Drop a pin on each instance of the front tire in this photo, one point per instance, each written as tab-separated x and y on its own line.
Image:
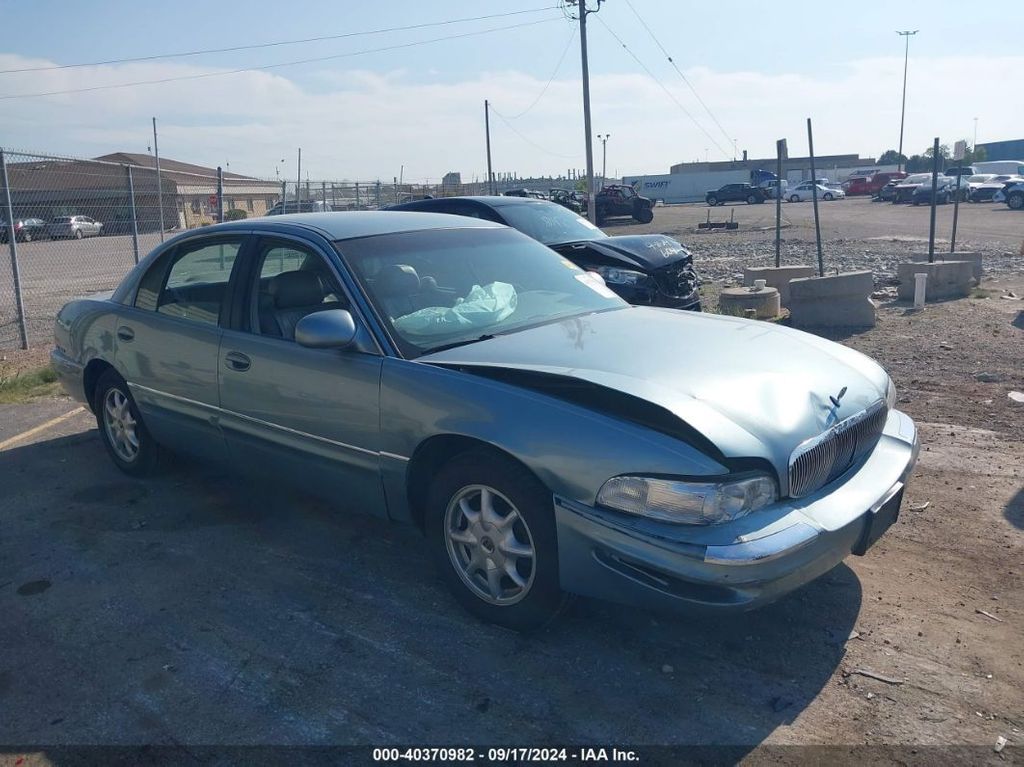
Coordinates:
124	435
645	216
492	531
1015	201
828	197
795	198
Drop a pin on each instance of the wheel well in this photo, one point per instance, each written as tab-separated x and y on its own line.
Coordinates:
428	459
91	377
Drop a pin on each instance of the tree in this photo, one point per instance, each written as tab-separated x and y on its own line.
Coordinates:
944	153
235	214
891	157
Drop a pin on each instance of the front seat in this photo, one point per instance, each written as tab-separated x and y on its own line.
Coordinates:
293	295
396	287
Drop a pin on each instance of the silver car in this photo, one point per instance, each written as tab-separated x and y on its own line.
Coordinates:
457	375
73	226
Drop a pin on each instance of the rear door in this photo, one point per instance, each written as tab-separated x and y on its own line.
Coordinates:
167	343
309	415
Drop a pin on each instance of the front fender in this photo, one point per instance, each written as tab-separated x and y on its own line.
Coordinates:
571	449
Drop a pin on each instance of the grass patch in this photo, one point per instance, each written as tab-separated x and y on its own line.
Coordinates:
981	293
30	385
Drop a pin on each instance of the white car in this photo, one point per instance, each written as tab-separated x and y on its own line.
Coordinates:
805	191
73	226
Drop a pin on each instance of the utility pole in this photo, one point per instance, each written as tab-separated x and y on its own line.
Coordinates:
581	8
604	156
298	183
159	182
487	130
906	35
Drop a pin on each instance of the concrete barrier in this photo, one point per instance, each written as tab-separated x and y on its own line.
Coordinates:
777	278
946	279
762	303
836	301
974	258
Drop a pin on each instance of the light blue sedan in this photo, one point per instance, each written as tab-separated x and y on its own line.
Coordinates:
457	375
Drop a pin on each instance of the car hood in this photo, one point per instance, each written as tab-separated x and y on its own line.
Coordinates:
752	389
648	251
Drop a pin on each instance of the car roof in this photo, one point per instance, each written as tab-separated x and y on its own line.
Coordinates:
348	225
494	201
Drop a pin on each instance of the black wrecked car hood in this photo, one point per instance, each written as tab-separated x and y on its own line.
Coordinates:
648	251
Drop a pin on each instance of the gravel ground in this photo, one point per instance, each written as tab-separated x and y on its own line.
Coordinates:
198	608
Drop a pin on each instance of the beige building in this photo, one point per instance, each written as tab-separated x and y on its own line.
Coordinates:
196	188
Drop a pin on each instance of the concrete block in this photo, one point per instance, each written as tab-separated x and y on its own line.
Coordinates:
836	301
974	258
777	278
946	279
763	303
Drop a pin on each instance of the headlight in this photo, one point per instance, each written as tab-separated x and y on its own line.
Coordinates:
890	395
621	276
688	503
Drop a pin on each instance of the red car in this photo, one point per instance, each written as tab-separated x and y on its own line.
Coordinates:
870	185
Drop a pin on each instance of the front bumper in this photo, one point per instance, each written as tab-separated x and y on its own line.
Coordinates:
741	565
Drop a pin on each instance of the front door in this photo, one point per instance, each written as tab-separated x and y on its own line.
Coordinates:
311	416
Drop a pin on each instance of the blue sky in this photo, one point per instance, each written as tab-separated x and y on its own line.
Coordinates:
762	69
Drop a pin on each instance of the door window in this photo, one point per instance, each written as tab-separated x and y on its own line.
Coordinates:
293	282
196	283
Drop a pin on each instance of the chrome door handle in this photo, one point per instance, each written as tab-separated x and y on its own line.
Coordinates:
237	361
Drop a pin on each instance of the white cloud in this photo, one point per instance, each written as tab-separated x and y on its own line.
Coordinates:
362	124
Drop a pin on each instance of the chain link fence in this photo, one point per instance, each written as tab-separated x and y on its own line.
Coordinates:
71	226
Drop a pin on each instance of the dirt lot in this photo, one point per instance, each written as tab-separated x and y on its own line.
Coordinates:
196	609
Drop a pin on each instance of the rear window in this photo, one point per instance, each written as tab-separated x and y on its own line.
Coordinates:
62	220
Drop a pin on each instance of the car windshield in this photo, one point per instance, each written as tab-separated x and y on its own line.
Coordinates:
550	223
62	220
440	288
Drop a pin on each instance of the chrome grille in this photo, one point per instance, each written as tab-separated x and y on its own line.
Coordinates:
821	459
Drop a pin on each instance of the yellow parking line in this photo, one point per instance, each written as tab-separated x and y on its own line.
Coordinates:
41	427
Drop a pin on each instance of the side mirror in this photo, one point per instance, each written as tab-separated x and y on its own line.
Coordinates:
329	329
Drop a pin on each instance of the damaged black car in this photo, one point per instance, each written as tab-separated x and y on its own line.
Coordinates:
644	269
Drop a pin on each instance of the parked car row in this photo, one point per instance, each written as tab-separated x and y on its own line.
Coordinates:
955	183
61	227
755	195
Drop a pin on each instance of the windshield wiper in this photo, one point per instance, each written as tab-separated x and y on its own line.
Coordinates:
463	342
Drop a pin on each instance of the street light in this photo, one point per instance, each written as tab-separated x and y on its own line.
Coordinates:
604	156
903	110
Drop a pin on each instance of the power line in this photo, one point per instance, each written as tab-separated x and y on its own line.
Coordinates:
554	72
275	66
664	88
532	143
679	71
255	46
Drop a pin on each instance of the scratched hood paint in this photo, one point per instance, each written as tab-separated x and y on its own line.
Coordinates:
754	389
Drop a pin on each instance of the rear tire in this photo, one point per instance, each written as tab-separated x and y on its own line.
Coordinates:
125	436
1015	201
795	198
491	528
78	234
712	201
751	199
645	216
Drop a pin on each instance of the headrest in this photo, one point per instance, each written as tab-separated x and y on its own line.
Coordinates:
397	280
291	289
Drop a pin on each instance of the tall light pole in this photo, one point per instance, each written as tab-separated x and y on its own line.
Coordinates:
604	156
581	9
974	146
906	35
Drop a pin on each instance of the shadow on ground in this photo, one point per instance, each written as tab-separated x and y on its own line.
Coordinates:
1014	511
196	608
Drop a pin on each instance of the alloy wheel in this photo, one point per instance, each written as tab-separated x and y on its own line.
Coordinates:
120	425
490	545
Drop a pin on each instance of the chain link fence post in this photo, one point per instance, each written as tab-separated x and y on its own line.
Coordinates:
220	195
12	241
132	213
